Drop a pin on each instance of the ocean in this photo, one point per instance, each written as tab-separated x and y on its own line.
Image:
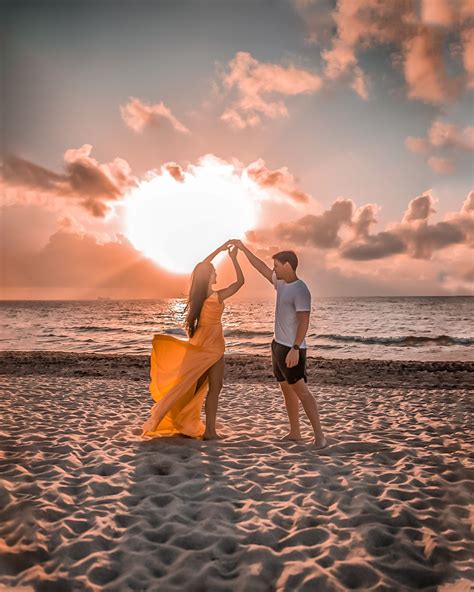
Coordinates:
409	328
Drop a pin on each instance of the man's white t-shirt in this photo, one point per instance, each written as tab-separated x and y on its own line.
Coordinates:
291	298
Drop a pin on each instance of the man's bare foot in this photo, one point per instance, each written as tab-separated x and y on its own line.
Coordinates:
212	436
291	438
320	443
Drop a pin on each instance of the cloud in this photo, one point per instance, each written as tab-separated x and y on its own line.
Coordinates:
415	237
280	179
417	145
378	246
175	171
365	218
442	134
446	13
72	261
424	68
320	231
317	16
258	87
442	166
419	35
468	55
440	12
419	208
94	185
442	137
139	115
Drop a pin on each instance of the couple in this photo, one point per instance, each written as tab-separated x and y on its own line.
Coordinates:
185	373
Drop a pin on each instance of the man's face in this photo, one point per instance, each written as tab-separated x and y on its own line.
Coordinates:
279	269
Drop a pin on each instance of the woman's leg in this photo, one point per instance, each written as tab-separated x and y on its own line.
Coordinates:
216	381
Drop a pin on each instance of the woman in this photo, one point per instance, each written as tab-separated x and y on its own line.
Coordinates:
182	372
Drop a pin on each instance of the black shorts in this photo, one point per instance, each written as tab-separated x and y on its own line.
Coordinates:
280	369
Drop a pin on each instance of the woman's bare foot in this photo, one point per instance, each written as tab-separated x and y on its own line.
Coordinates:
291	438
320	443
211	436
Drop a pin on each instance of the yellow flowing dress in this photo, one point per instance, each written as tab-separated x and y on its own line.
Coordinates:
176	367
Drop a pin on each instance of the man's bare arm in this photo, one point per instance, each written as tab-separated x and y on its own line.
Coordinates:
254	260
303	324
293	356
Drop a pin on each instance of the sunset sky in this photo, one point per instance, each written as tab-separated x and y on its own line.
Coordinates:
140	135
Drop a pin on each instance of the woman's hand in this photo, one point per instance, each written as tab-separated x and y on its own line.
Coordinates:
232	250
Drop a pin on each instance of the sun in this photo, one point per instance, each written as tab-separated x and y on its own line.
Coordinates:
178	220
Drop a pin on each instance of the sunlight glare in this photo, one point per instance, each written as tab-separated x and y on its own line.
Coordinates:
178	223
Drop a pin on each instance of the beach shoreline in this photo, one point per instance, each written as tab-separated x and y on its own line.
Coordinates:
246	368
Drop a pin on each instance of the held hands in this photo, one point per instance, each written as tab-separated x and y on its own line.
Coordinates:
237	243
292	358
232	250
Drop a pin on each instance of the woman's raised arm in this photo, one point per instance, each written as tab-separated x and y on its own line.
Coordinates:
240	280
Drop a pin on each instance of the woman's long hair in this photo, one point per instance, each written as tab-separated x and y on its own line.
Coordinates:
197	294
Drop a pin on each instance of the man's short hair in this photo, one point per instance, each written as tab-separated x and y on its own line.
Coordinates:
287	257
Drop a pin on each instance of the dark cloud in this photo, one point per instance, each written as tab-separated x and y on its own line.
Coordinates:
414	236
424	239
94	185
317	231
378	246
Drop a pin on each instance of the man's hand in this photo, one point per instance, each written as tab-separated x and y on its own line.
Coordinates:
237	243
292	358
232	250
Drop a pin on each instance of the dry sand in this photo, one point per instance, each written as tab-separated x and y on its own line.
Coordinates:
86	505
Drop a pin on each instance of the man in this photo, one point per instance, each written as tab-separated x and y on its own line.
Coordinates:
293	307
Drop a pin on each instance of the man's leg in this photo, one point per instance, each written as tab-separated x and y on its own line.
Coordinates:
216	381
292	404
310	407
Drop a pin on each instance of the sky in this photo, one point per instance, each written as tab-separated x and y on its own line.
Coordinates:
138	136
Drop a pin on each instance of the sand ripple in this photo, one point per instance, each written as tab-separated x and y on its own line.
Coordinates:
85	505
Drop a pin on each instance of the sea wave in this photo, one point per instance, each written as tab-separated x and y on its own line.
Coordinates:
247	334
95	329
405	340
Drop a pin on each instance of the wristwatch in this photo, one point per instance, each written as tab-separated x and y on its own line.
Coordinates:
297	347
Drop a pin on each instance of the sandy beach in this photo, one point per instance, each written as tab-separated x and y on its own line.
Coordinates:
86	505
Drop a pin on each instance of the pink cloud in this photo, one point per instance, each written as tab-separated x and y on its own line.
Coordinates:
138	115
417	145
258	85
72	260
446	137
442	166
419	208
468	55
317	17
94	185
175	171
424	68
280	179
419	36
439	12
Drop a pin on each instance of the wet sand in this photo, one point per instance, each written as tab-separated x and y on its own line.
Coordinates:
86	505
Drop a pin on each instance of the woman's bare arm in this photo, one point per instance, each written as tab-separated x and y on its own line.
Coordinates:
240	280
